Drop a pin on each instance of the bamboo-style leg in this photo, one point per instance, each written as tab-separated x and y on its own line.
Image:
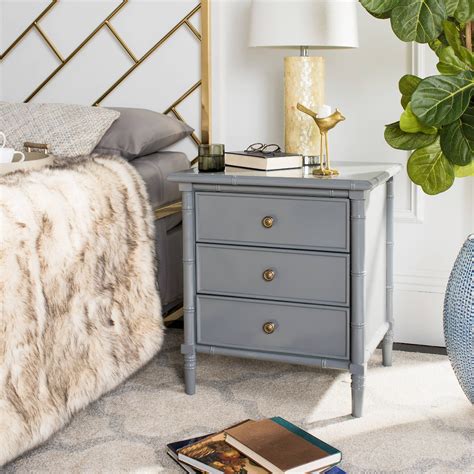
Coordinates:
387	347
357	388
188	348
358	365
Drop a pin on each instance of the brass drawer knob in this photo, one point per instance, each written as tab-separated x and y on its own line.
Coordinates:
269	328
268	275
267	222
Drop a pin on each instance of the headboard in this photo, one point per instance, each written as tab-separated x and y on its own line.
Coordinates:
136	61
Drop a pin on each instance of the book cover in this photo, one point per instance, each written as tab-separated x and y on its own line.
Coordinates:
282	447
172	451
174	447
334	470
263	161
213	454
186	467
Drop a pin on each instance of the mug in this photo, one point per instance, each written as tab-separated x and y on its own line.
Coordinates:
7	154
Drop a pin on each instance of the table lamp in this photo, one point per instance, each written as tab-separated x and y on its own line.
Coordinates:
303	24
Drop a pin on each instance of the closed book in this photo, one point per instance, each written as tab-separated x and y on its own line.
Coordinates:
282	447
214	455
263	161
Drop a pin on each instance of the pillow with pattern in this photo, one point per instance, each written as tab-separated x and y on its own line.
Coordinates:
68	129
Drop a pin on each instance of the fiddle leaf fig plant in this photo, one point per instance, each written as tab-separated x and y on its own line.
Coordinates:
437	122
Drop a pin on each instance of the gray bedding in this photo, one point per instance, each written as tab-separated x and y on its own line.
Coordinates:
154	170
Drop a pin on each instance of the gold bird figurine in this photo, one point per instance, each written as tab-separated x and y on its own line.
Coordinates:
324	124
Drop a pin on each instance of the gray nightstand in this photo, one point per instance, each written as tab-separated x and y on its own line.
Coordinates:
289	267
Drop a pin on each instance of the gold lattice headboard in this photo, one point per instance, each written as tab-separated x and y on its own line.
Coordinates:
135	61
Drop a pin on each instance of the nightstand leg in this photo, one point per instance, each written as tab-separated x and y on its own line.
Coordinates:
357	388
190	374
387	346
188	349
358	365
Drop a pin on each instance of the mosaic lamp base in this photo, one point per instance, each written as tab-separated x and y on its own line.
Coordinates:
304	83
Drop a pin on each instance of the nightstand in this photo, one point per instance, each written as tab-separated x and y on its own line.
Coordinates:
289	267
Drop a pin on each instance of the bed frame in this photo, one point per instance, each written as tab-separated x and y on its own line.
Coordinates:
204	83
204	37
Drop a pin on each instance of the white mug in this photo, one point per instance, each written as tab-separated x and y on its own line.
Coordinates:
7	155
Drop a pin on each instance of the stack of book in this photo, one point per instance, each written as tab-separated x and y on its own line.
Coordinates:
272	445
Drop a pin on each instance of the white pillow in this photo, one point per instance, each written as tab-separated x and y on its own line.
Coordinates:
68	129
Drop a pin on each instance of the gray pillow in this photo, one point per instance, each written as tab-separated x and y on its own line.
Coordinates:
139	132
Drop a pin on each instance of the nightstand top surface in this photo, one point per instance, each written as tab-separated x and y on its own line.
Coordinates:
354	176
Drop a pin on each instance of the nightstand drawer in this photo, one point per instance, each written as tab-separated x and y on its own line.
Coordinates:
287	275
276	327
279	221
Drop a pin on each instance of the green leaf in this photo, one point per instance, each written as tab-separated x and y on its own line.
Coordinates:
436	45
381	16
465	11
468	120
464	171
451	6
449	63
407	85
457	139
453	36
430	169
418	20
409	123
401	140
456	146
440	100
379	7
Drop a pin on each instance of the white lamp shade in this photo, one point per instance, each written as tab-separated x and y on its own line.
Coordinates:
321	24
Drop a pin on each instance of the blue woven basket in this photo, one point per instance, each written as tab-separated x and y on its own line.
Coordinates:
459	318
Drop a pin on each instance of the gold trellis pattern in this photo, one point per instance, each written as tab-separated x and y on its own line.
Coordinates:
203	37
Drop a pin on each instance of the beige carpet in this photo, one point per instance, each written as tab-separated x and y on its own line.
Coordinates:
417	418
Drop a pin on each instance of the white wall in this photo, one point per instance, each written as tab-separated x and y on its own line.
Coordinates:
248	107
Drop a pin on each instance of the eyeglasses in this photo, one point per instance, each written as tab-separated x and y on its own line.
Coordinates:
262	148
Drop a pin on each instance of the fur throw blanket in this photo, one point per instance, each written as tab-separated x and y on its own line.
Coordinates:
80	311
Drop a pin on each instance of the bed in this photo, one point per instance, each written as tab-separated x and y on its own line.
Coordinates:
83	303
153	167
165	199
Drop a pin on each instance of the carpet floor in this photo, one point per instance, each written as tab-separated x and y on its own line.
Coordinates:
417	418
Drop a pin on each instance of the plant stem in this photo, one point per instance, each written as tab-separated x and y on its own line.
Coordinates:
469	28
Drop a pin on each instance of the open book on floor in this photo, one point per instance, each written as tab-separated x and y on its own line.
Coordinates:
214	455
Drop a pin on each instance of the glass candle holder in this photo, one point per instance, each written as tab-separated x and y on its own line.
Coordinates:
211	158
